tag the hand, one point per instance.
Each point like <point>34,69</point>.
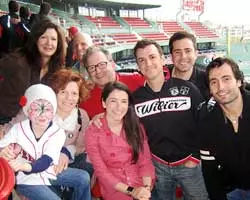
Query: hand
<point>96,120</point>
<point>141,193</point>
<point>19,165</point>
<point>7,153</point>
<point>62,164</point>
<point>190,164</point>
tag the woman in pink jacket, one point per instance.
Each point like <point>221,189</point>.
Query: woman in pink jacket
<point>119,150</point>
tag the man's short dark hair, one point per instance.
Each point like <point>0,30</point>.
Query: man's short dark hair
<point>145,42</point>
<point>218,62</point>
<point>24,12</point>
<point>13,6</point>
<point>44,8</point>
<point>179,36</point>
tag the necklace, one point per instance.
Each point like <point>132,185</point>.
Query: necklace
<point>234,120</point>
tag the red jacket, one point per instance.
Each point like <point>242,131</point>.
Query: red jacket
<point>111,157</point>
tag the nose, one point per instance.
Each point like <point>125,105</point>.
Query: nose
<point>49,41</point>
<point>148,62</point>
<point>220,85</point>
<point>183,54</point>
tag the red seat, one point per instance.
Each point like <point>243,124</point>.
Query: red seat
<point>7,179</point>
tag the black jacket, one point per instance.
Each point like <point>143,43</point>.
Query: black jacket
<point>225,154</point>
<point>169,118</point>
<point>198,78</point>
<point>16,75</point>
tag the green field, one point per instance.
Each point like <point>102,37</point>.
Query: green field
<point>241,54</point>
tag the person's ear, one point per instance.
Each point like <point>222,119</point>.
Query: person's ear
<point>103,104</point>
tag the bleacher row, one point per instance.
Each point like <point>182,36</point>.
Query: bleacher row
<point>126,29</point>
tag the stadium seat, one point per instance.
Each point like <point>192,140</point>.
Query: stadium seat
<point>7,179</point>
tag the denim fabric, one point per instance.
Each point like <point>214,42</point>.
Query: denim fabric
<point>168,177</point>
<point>239,194</point>
<point>81,163</point>
<point>37,192</point>
<point>77,179</point>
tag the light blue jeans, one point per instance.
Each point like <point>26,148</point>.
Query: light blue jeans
<point>168,177</point>
<point>239,194</point>
<point>71,177</point>
<point>37,192</point>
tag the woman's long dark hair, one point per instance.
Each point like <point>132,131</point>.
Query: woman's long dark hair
<point>131,124</point>
<point>31,50</point>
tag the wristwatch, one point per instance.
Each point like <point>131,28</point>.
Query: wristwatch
<point>130,190</point>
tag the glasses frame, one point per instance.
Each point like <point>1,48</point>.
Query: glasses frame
<point>92,68</point>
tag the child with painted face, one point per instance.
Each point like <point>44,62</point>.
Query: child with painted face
<point>34,144</point>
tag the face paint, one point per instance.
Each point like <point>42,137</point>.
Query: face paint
<point>40,112</point>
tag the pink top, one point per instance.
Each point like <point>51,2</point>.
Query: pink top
<point>111,158</point>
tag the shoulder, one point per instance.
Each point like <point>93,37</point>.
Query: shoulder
<point>129,76</point>
<point>84,115</point>
<point>139,90</point>
<point>207,108</point>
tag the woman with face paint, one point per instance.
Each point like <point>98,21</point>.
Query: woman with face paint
<point>119,150</point>
<point>72,169</point>
<point>34,144</point>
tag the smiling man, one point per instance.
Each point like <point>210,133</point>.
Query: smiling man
<point>224,128</point>
<point>167,111</point>
<point>101,68</point>
<point>183,49</point>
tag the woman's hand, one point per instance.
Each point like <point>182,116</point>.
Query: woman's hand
<point>141,193</point>
<point>62,163</point>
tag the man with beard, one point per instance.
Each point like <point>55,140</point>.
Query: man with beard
<point>224,128</point>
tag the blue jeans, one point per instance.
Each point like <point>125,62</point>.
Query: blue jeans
<point>37,192</point>
<point>239,194</point>
<point>81,163</point>
<point>190,180</point>
<point>77,179</point>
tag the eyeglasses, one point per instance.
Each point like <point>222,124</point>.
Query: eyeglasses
<point>100,65</point>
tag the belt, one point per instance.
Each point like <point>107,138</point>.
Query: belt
<point>176,163</point>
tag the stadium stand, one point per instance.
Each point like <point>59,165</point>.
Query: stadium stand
<point>154,36</point>
<point>200,30</point>
<point>103,21</point>
<point>136,22</point>
<point>124,37</point>
<point>170,26</point>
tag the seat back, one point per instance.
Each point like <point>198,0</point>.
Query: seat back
<point>7,179</point>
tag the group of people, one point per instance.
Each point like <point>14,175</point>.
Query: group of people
<point>149,132</point>
<point>16,25</point>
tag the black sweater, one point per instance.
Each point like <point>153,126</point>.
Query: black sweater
<point>169,118</point>
<point>225,154</point>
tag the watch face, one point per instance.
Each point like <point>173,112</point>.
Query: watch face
<point>130,189</point>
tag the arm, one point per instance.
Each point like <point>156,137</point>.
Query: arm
<point>39,165</point>
<point>80,144</point>
<point>10,137</point>
<point>93,142</point>
<point>212,171</point>
<point>147,170</point>
<point>18,118</point>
